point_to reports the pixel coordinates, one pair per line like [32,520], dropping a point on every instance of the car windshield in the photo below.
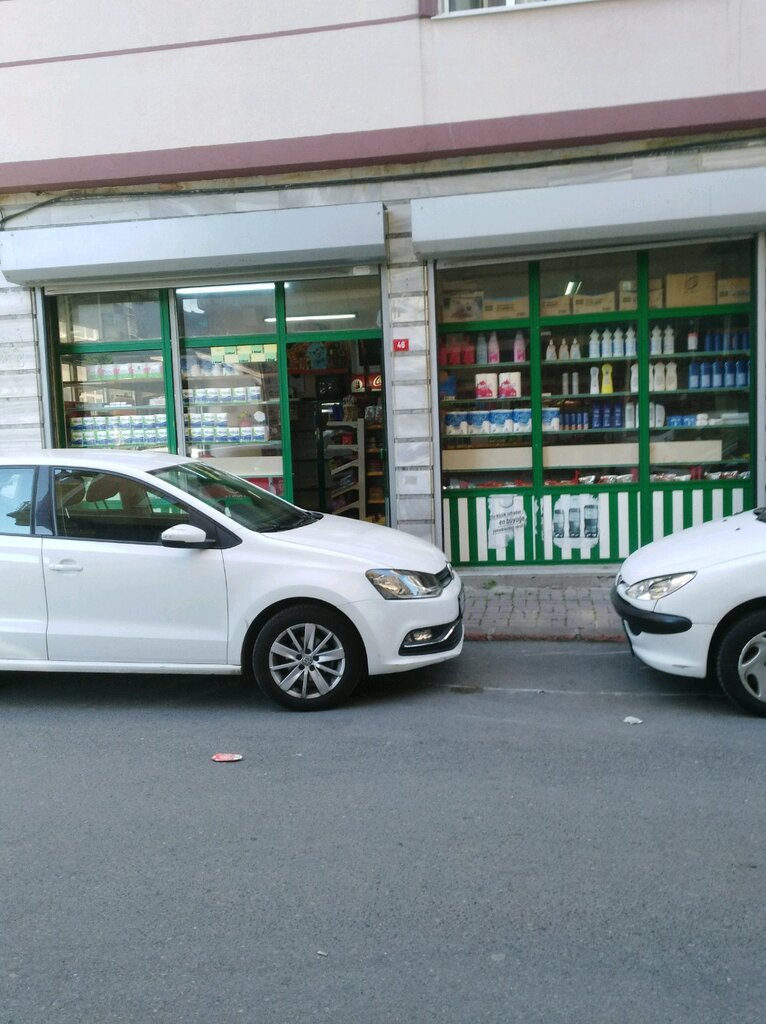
[245,503]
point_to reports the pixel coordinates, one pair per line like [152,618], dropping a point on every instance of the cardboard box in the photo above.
[557,305]
[506,309]
[459,307]
[691,289]
[733,289]
[602,303]
[628,294]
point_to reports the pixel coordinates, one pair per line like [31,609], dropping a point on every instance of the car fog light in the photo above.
[420,636]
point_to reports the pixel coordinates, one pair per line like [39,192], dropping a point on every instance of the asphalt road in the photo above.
[484,841]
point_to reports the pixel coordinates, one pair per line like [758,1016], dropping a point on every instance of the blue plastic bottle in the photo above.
[717,374]
[606,416]
[709,343]
[741,373]
[744,338]
[705,374]
[729,374]
[596,414]
[617,418]
[694,374]
[718,342]
[726,341]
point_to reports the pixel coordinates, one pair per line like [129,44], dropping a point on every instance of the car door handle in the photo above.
[67,565]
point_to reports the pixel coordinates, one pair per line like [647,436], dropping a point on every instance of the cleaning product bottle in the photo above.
[574,350]
[550,352]
[669,340]
[726,341]
[606,379]
[729,373]
[493,349]
[709,344]
[706,375]
[634,376]
[717,374]
[519,348]
[606,344]
[694,374]
[630,342]
[692,339]
[742,373]
[630,415]
[454,350]
[594,346]
[564,349]
[468,350]
[659,377]
[594,386]
[655,342]
[617,416]
[596,416]
[671,376]
[618,343]
[482,357]
[575,382]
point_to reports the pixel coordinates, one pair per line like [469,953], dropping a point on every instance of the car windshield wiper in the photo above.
[760,514]
[304,520]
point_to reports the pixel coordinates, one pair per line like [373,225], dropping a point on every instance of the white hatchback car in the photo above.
[148,562]
[694,604]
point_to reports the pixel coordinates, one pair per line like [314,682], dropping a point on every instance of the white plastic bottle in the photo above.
[481,351]
[550,352]
[634,376]
[595,389]
[493,349]
[655,342]
[630,342]
[594,346]
[574,350]
[564,349]
[671,376]
[519,349]
[659,377]
[606,344]
[618,343]
[630,415]
[669,341]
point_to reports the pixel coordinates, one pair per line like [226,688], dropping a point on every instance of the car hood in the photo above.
[377,546]
[738,537]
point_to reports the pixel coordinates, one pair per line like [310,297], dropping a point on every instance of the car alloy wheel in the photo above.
[307,658]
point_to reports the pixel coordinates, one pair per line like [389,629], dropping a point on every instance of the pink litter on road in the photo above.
[226,757]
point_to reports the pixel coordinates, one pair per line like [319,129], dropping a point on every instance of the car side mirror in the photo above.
[184,535]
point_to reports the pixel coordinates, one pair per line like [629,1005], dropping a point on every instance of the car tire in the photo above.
[741,662]
[308,658]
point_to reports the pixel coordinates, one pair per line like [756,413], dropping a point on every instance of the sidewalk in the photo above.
[509,605]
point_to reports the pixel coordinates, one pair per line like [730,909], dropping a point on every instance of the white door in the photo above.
[115,594]
[23,611]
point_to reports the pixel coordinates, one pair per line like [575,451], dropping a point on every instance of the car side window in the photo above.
[106,506]
[16,485]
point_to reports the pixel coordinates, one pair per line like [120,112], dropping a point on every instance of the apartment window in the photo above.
[459,6]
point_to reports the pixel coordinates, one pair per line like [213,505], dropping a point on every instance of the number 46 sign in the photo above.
[401,344]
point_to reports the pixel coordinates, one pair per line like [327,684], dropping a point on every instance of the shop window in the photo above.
[333,304]
[598,283]
[227,310]
[109,316]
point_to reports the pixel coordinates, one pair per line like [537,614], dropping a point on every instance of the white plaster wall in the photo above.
[419,71]
[20,405]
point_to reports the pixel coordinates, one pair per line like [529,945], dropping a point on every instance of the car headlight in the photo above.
[401,584]
[658,586]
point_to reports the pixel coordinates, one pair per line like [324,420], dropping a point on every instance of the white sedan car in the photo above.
[148,562]
[694,604]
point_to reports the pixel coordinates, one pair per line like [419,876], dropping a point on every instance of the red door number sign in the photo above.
[401,344]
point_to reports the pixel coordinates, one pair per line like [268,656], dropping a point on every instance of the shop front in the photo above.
[595,394]
[281,382]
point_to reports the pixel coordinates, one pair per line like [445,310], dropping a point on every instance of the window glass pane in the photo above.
[494,292]
[109,316]
[221,311]
[232,408]
[106,506]
[333,304]
[714,273]
[16,499]
[114,400]
[594,283]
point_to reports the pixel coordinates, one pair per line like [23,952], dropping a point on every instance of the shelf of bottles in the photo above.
[485,399]
[699,398]
[589,385]
[115,400]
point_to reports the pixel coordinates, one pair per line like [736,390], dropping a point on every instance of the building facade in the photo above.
[494,276]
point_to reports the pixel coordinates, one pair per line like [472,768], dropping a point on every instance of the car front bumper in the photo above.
[667,642]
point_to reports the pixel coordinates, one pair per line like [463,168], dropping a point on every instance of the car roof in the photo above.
[98,458]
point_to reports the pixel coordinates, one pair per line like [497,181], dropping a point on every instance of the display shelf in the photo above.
[339,488]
